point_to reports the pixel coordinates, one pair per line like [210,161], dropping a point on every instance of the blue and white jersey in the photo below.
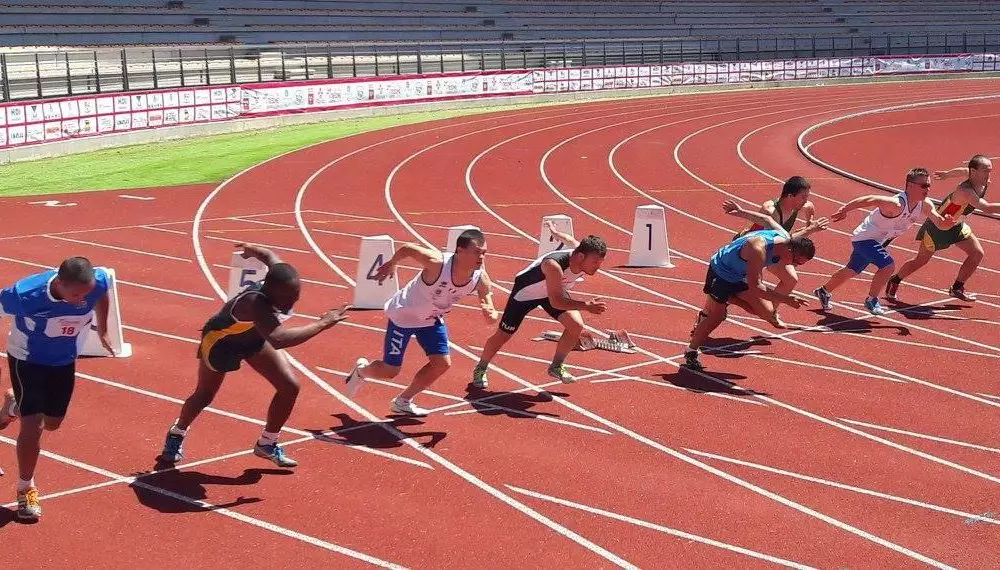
[45,329]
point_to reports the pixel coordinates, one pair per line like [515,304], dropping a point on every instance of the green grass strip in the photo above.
[202,160]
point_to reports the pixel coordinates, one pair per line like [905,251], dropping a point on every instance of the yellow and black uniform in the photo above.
[226,340]
[779,216]
[935,239]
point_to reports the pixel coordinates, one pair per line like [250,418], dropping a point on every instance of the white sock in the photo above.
[267,438]
[23,485]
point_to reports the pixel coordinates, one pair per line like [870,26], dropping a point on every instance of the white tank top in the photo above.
[420,305]
[880,228]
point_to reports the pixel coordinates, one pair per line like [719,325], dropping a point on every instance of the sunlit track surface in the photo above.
[860,441]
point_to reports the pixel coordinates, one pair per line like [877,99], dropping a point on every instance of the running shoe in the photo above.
[355,380]
[873,306]
[28,506]
[407,407]
[561,374]
[273,452]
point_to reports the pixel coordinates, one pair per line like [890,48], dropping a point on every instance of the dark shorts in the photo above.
[225,353]
[934,239]
[432,338]
[41,389]
[866,252]
[515,311]
[721,290]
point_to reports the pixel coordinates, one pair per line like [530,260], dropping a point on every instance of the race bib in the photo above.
[66,326]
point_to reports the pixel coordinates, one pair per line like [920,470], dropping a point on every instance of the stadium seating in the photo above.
[181,22]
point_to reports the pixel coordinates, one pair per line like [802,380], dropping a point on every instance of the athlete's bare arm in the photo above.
[763,219]
[563,237]
[558,296]
[958,171]
[889,205]
[807,212]
[734,209]
[428,258]
[755,252]
[983,205]
[937,219]
[485,291]
[268,257]
[256,308]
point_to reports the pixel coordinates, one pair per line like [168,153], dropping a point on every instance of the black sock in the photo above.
[958,285]
[895,279]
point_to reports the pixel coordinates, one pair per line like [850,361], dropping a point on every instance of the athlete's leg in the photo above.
[714,314]
[493,345]
[208,385]
[764,309]
[788,278]
[572,321]
[434,341]
[209,382]
[275,368]
[924,254]
[973,256]
[886,266]
[513,315]
[43,394]
[754,304]
[9,410]
[393,350]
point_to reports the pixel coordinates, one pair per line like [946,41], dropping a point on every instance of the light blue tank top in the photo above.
[727,263]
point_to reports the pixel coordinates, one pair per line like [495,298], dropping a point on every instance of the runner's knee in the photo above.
[51,424]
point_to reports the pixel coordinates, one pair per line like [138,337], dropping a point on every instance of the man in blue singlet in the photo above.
[49,311]
[734,276]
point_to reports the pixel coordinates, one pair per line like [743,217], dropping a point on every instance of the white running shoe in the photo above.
[355,380]
[401,406]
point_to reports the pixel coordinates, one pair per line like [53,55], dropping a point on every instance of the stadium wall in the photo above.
[68,125]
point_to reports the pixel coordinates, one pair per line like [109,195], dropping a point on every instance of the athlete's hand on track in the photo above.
[334,316]
[107,343]
[596,306]
[797,302]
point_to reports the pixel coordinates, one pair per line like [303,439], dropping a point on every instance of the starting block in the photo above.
[88,343]
[244,271]
[453,233]
[649,238]
[617,341]
[547,242]
[368,293]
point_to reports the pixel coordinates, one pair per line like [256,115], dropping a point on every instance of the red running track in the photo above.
[858,441]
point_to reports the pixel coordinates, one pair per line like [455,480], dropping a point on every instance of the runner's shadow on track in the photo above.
[7,517]
[857,326]
[191,484]
[709,382]
[924,312]
[373,435]
[511,404]
[737,346]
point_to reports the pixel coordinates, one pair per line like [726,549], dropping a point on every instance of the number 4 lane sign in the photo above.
[369,293]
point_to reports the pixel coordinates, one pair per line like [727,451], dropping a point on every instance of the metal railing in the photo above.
[26,74]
